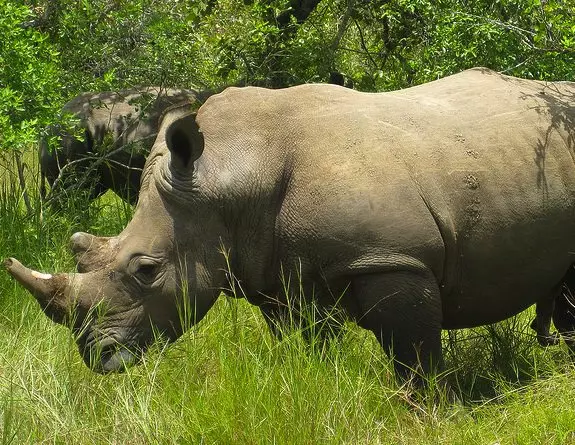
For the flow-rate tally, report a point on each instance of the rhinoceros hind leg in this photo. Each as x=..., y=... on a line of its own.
x=541, y=324
x=564, y=316
x=403, y=310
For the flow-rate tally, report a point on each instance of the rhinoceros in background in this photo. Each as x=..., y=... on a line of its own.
x=444, y=206
x=117, y=131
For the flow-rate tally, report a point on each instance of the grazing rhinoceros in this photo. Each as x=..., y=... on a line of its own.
x=118, y=130
x=443, y=206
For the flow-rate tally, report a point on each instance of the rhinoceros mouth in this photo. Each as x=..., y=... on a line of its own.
x=108, y=355
x=117, y=360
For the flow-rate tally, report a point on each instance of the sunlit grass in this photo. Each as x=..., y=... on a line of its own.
x=228, y=380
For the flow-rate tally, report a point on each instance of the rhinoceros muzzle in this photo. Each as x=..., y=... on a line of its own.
x=118, y=361
x=110, y=356
x=104, y=353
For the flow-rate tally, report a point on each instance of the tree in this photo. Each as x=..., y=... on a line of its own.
x=29, y=88
x=29, y=91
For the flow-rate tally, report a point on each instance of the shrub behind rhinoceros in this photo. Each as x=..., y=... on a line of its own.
x=108, y=145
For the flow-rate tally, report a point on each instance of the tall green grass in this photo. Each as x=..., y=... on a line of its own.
x=229, y=381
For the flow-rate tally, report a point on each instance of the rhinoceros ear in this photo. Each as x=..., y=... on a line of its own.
x=185, y=141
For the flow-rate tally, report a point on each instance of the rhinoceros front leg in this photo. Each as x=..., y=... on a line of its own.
x=403, y=310
x=275, y=318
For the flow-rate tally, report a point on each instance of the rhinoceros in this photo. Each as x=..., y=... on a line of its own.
x=443, y=206
x=116, y=132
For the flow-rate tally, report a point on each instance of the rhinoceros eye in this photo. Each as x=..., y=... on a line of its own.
x=145, y=269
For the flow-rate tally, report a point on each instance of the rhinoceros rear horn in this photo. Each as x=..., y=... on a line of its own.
x=51, y=291
x=185, y=141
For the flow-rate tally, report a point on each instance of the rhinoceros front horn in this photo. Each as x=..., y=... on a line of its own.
x=51, y=291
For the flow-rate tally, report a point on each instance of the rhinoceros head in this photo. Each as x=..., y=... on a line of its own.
x=150, y=279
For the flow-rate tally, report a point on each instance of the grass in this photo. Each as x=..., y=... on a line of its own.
x=227, y=381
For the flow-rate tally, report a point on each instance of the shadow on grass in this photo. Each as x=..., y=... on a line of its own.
x=485, y=362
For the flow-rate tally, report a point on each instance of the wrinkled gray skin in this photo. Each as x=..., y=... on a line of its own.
x=443, y=206
x=118, y=130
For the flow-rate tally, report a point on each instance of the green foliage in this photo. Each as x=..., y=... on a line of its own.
x=109, y=45
x=395, y=44
x=101, y=45
x=29, y=66
x=526, y=39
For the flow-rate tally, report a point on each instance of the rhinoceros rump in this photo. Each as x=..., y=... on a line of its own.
x=118, y=129
x=443, y=206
